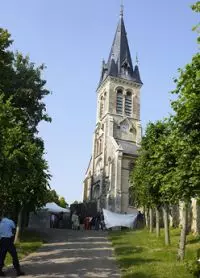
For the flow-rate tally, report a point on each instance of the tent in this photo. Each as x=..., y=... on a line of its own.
x=42, y=217
x=54, y=208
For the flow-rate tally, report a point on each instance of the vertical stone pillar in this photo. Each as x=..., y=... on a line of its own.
x=123, y=103
x=138, y=133
x=109, y=188
x=89, y=188
x=133, y=98
x=101, y=182
x=110, y=126
x=118, y=179
x=93, y=153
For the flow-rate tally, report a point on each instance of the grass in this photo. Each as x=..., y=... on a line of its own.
x=141, y=255
x=30, y=241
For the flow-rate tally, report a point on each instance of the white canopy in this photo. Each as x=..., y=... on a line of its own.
x=53, y=207
x=113, y=219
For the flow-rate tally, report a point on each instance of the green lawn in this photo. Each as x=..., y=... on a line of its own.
x=141, y=255
x=30, y=241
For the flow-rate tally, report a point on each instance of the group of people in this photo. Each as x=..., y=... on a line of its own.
x=88, y=223
x=7, y=235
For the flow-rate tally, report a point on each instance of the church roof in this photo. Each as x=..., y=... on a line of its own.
x=119, y=63
x=128, y=147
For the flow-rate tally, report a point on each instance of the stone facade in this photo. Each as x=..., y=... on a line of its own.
x=117, y=134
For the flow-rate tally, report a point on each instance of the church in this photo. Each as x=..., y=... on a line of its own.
x=118, y=131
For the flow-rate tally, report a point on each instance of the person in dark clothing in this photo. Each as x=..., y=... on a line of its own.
x=102, y=224
x=97, y=221
x=139, y=220
x=7, y=227
x=93, y=223
x=60, y=220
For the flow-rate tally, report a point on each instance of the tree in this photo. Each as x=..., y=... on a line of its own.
x=6, y=59
x=196, y=8
x=22, y=80
x=187, y=121
x=146, y=177
x=52, y=197
x=62, y=202
x=182, y=182
x=24, y=172
x=174, y=162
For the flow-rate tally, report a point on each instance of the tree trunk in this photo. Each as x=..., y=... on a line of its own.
x=151, y=220
x=19, y=226
x=157, y=222
x=146, y=218
x=182, y=242
x=166, y=224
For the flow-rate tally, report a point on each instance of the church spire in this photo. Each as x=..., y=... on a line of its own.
x=119, y=62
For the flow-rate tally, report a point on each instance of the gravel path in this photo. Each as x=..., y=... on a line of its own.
x=71, y=254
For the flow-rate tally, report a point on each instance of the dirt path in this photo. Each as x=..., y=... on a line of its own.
x=72, y=254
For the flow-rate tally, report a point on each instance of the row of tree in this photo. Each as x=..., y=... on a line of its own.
x=168, y=168
x=24, y=174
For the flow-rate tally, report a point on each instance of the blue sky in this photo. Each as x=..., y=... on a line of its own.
x=72, y=38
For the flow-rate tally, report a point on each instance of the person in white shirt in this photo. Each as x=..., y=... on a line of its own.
x=7, y=228
x=53, y=220
x=75, y=221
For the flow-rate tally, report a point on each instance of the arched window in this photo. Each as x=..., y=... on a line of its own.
x=119, y=104
x=128, y=104
x=131, y=196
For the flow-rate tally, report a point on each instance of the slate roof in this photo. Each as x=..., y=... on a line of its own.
x=119, y=63
x=128, y=147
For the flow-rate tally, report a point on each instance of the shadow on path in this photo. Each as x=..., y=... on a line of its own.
x=72, y=254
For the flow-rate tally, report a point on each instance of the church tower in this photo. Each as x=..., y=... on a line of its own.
x=117, y=134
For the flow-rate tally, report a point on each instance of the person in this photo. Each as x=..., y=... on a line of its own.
x=102, y=224
x=93, y=223
x=53, y=220
x=81, y=221
x=90, y=223
x=87, y=223
x=97, y=221
x=60, y=220
x=139, y=220
x=75, y=221
x=7, y=228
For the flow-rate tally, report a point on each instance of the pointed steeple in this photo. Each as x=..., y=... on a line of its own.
x=119, y=63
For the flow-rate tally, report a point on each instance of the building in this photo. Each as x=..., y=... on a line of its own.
x=117, y=134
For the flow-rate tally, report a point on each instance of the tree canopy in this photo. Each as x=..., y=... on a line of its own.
x=168, y=167
x=24, y=175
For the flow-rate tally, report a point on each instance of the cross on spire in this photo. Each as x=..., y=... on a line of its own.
x=122, y=8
